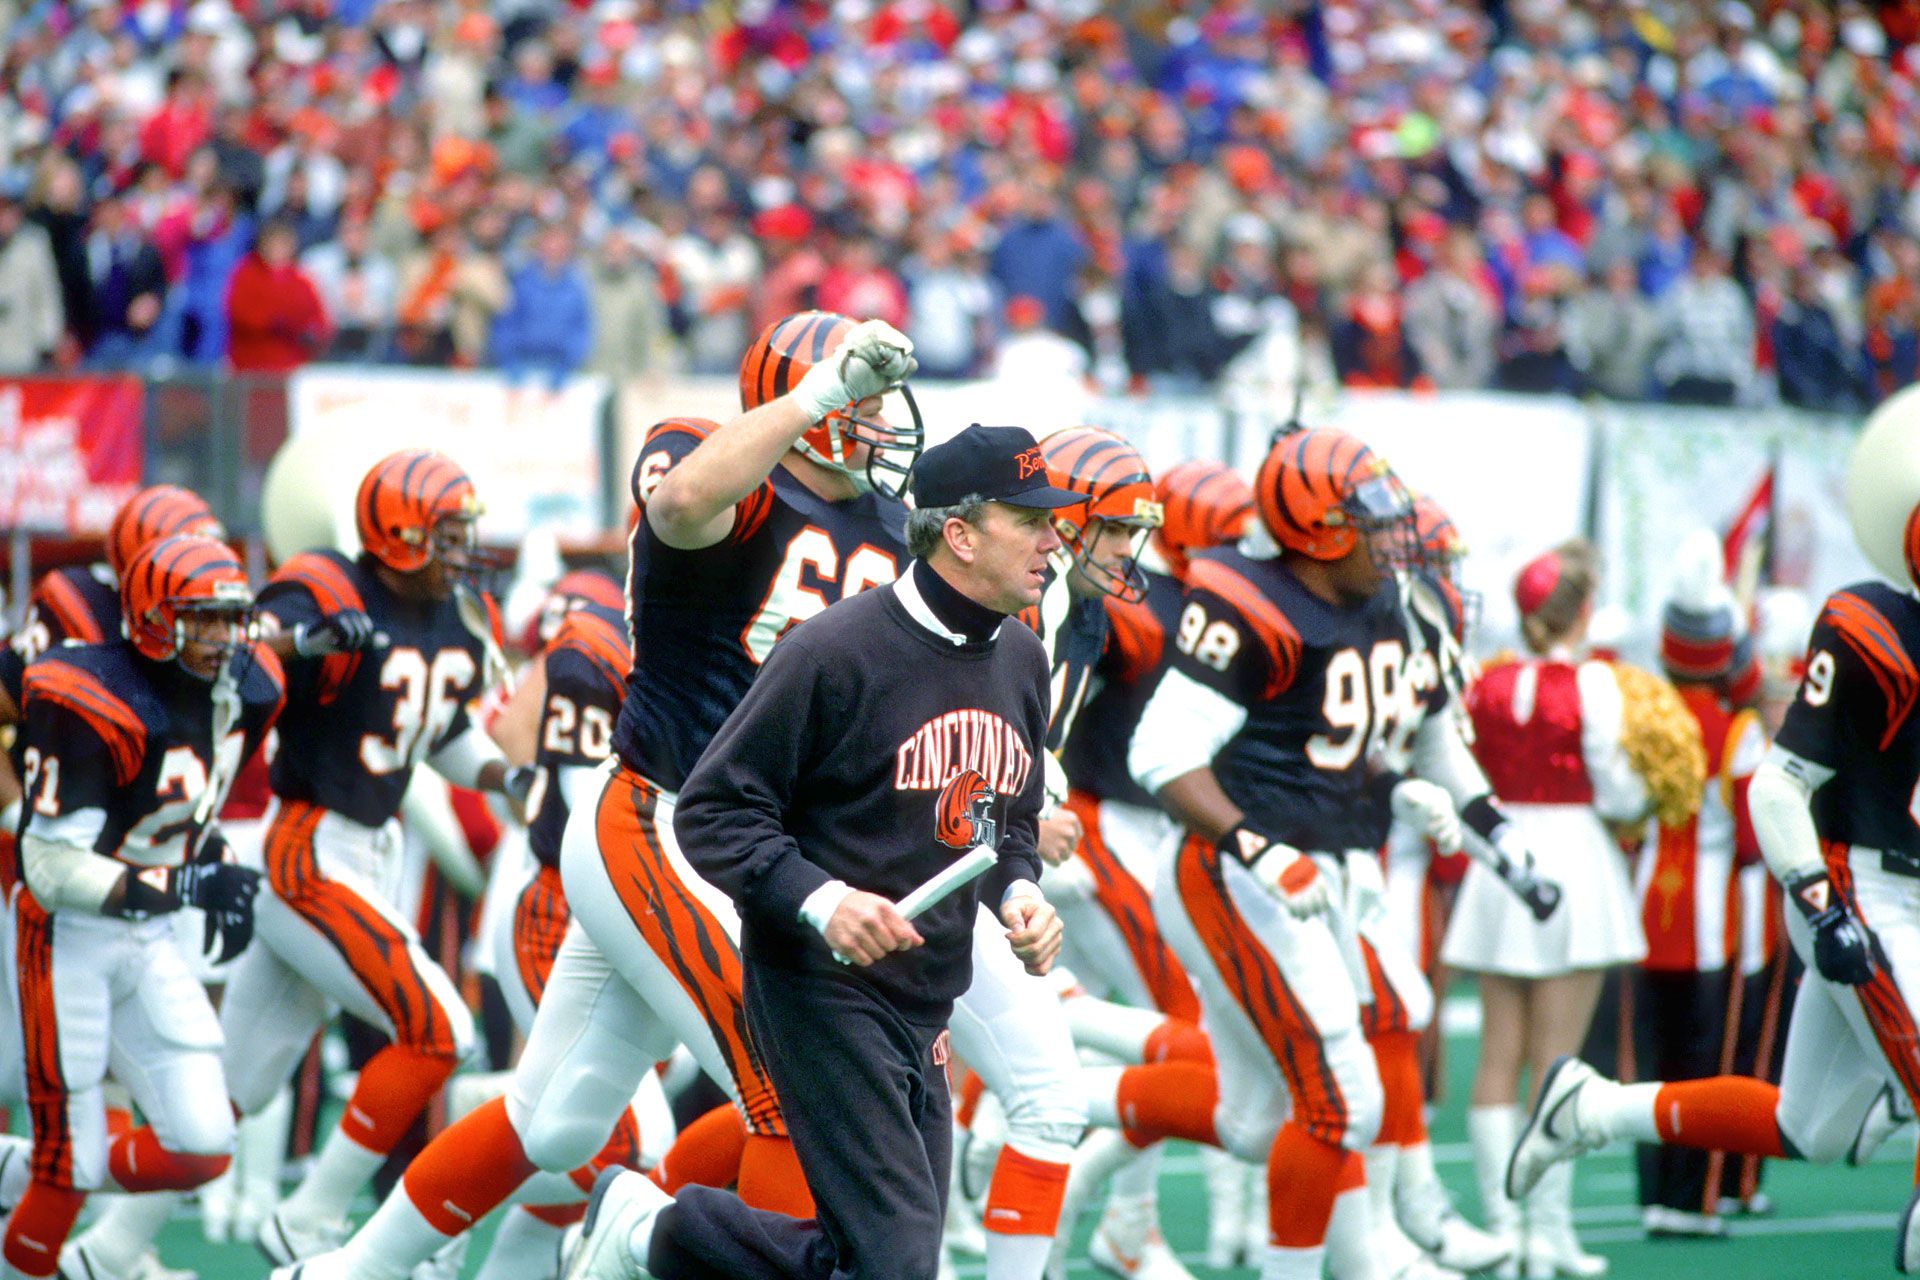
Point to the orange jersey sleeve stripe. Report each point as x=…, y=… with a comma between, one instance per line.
x=1276, y=634
x=334, y=592
x=599, y=642
x=105, y=713
x=67, y=609
x=1874, y=639
x=1137, y=638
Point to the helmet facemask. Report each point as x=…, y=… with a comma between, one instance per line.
x=1082, y=540
x=226, y=622
x=891, y=450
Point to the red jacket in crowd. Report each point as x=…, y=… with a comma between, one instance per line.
x=275, y=320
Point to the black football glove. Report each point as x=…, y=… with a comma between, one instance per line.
x=348, y=631
x=1841, y=949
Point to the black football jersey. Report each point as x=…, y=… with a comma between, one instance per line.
x=356, y=724
x=702, y=621
x=79, y=604
x=1322, y=686
x=1074, y=632
x=1124, y=679
x=120, y=749
x=1855, y=715
x=586, y=668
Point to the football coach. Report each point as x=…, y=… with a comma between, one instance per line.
x=896, y=733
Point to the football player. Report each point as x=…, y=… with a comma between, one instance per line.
x=385, y=652
x=129, y=748
x=747, y=529
x=1830, y=806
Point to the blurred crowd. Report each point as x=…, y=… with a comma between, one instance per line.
x=1699, y=201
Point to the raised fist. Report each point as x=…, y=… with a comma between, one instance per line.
x=344, y=632
x=870, y=361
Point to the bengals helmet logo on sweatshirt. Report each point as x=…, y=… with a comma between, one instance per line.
x=961, y=818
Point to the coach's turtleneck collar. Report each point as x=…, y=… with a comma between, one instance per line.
x=940, y=607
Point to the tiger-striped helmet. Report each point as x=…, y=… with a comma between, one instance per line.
x=156, y=512
x=414, y=506
x=1203, y=504
x=174, y=579
x=774, y=365
x=1118, y=490
x=1320, y=490
x=1438, y=551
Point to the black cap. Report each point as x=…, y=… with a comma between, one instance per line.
x=1002, y=464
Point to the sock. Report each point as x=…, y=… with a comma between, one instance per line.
x=1491, y=1132
x=1403, y=1120
x=465, y=1173
x=525, y=1245
x=1303, y=1177
x=1169, y=1100
x=707, y=1152
x=39, y=1226
x=1139, y=1178
x=127, y=1228
x=1420, y=1199
x=1177, y=1041
x=771, y=1177
x=1282, y=1263
x=1352, y=1246
x=395, y=1240
x=1023, y=1211
x=1730, y=1113
x=260, y=1152
x=394, y=1088
x=137, y=1162
x=1100, y=1090
x=333, y=1179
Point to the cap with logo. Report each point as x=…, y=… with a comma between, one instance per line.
x=1000, y=464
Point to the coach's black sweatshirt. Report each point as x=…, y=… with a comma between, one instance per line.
x=866, y=721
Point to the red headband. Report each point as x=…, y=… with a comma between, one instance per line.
x=1536, y=582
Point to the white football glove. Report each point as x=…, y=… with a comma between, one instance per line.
x=1427, y=808
x=871, y=360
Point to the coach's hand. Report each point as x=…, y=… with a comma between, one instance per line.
x=1034, y=932
x=1060, y=834
x=866, y=927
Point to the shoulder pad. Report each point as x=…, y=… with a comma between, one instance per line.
x=106, y=713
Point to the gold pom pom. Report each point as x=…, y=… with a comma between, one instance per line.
x=1662, y=741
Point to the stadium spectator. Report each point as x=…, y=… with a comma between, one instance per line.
x=121, y=322
x=1039, y=253
x=31, y=316
x=716, y=266
x=1032, y=355
x=1610, y=331
x=859, y=283
x=950, y=305
x=359, y=289
x=1705, y=351
x=1369, y=340
x=216, y=234
x=1816, y=369
x=630, y=333
x=1452, y=320
x=790, y=280
x=275, y=320
x=547, y=326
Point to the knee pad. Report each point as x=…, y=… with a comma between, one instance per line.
x=570, y=1119
x=1418, y=999
x=203, y=1131
x=1366, y=1105
x=1247, y=1132
x=1051, y=1116
x=1823, y=1133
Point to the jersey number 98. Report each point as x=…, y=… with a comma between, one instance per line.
x=1212, y=643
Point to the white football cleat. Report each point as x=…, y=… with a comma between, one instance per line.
x=1466, y=1248
x=1906, y=1245
x=331, y=1265
x=285, y=1238
x=1885, y=1115
x=1552, y=1132
x=1148, y=1259
x=623, y=1202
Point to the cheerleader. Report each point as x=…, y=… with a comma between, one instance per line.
x=1548, y=731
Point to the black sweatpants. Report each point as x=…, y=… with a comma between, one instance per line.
x=1682, y=1024
x=872, y=1124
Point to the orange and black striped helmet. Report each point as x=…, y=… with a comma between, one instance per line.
x=774, y=365
x=1203, y=504
x=153, y=513
x=174, y=578
x=1320, y=490
x=413, y=506
x=1118, y=490
x=1438, y=550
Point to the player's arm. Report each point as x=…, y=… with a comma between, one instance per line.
x=71, y=780
x=1838, y=696
x=693, y=504
x=295, y=626
x=1450, y=799
x=1221, y=665
x=516, y=730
